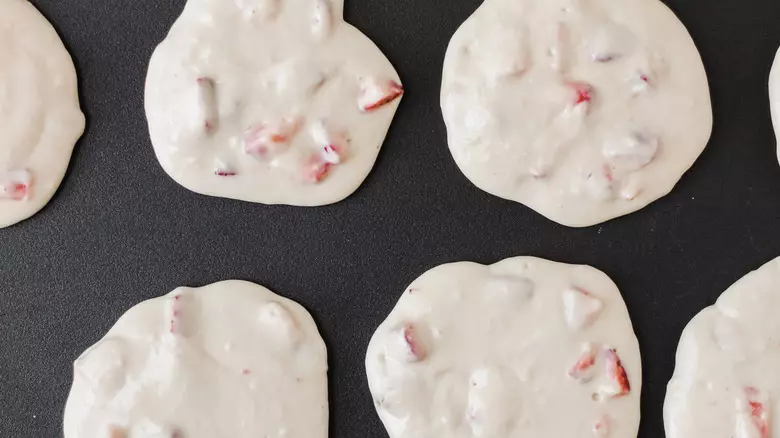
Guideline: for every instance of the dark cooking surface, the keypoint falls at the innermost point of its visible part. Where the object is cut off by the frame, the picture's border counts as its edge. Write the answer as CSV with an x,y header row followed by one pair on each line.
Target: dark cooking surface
x,y
120,231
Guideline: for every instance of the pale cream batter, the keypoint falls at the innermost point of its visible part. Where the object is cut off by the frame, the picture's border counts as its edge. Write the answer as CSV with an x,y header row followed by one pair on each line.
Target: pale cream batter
x,y
523,348
269,101
227,360
726,383
40,118
584,110
774,97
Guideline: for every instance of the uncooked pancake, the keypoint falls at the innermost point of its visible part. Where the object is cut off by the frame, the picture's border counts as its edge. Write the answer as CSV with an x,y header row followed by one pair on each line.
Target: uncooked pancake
x,y
523,348
774,97
227,360
40,118
583,110
269,101
726,383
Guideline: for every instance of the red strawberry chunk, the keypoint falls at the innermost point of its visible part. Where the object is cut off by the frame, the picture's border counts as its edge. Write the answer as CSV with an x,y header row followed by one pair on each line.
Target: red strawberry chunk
x,y
601,428
617,374
415,347
374,94
583,93
315,169
15,185
581,370
758,411
267,139
332,144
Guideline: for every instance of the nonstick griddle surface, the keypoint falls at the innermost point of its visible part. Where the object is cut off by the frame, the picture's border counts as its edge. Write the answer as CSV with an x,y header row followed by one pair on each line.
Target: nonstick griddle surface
x,y
120,231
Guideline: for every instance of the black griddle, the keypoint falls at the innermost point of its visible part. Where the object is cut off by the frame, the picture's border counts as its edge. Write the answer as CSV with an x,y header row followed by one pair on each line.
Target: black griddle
x,y
120,231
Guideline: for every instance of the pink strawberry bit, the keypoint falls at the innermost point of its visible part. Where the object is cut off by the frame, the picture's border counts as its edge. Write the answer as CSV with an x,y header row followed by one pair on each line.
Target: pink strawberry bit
x,y
758,411
617,374
375,94
583,93
640,82
582,369
246,371
415,349
15,185
601,428
267,139
315,169
605,57
332,145
208,103
225,172
116,432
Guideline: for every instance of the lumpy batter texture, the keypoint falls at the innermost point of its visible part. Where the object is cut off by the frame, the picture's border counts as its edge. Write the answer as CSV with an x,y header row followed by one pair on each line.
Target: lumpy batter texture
x,y
524,348
269,101
40,118
726,383
227,360
584,110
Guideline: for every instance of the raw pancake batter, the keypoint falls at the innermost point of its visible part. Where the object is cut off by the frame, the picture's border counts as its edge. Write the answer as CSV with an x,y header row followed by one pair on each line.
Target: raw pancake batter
x,y
584,110
726,383
774,96
525,348
269,101
227,360
40,119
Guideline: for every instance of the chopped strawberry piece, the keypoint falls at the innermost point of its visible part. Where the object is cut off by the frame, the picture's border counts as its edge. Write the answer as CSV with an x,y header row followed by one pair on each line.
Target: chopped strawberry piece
x,y
116,432
605,57
15,185
582,370
416,350
374,95
640,82
758,411
601,428
583,93
333,145
315,170
269,139
617,374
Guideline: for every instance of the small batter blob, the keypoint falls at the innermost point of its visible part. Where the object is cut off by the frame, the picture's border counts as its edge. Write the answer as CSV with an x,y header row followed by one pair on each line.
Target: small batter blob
x,y
40,118
726,383
227,360
774,96
583,110
524,348
269,101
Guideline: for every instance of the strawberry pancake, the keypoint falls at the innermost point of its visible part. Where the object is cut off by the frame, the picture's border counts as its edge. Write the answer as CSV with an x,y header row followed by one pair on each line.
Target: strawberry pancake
x,y
726,383
227,360
269,101
522,348
40,118
583,110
